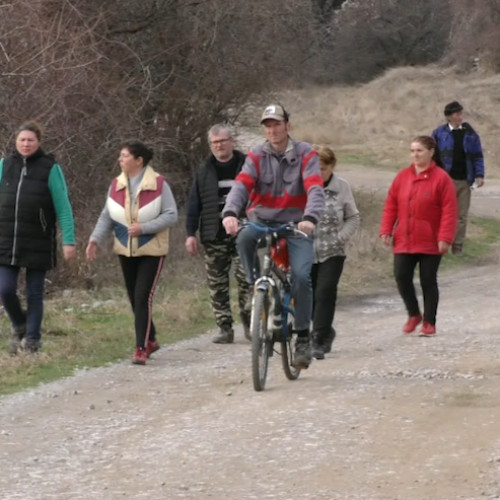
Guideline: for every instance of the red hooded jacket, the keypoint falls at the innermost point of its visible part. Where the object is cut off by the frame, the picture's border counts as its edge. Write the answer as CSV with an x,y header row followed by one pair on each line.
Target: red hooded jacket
x,y
420,210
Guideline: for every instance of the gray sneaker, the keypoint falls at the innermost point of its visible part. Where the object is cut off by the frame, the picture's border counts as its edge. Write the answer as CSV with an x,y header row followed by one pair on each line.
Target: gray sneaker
x,y
302,357
226,335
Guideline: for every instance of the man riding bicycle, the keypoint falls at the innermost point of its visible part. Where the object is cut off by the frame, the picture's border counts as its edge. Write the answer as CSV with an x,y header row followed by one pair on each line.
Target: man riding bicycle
x,y
281,182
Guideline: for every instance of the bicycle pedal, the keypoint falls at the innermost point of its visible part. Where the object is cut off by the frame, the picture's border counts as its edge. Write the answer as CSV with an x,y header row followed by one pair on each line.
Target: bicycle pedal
x,y
300,367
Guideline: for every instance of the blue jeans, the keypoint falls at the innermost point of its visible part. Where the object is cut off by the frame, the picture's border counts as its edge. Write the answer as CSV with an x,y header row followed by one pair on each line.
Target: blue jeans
x,y
300,252
35,284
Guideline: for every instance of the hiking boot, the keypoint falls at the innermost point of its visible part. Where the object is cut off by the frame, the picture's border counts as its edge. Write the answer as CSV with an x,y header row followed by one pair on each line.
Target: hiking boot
x,y
302,357
140,356
427,330
30,346
18,333
226,335
245,321
412,323
151,347
327,343
457,249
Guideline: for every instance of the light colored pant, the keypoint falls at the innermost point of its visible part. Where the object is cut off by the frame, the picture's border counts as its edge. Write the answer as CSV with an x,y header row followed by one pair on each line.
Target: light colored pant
x,y
463,199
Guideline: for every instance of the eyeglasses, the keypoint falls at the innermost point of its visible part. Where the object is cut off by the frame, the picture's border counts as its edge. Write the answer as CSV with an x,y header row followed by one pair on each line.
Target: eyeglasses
x,y
220,142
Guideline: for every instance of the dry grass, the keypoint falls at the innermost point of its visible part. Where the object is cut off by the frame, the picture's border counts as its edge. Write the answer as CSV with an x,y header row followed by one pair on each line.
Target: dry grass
x,y
380,118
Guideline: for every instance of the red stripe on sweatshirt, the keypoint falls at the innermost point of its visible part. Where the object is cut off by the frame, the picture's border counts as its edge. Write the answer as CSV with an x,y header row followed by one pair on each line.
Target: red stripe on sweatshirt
x,y
313,180
246,180
286,201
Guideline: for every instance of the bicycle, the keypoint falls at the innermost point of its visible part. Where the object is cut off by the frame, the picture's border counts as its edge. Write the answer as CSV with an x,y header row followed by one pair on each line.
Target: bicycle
x,y
272,294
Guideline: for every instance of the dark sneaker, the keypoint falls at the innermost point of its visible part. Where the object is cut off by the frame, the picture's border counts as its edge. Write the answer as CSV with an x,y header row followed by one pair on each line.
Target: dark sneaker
x,y
302,357
226,335
245,321
318,351
327,343
30,346
18,333
14,347
457,250
140,356
318,346
152,347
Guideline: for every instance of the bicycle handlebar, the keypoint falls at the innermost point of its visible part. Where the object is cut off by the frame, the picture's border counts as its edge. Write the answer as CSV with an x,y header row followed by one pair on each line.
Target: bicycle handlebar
x,y
289,226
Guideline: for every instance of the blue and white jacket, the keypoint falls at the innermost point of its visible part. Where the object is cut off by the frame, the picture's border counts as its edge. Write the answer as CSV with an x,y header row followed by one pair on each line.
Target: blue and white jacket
x,y
472,148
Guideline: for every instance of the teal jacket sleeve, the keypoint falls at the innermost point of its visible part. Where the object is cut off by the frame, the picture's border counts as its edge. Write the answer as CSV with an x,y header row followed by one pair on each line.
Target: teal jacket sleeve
x,y
60,198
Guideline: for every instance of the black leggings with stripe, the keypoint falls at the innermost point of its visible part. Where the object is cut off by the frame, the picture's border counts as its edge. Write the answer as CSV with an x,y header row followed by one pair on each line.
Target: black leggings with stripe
x,y
141,277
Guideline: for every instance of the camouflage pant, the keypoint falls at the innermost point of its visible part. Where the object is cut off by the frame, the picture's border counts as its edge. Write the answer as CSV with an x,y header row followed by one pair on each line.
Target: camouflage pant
x,y
218,257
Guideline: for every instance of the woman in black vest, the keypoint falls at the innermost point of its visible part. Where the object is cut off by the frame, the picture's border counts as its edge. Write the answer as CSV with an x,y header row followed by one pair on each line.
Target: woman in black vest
x,y
33,195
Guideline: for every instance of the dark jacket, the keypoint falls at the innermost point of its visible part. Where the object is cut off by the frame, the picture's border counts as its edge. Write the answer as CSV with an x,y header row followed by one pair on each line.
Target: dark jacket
x,y
472,148
27,214
203,211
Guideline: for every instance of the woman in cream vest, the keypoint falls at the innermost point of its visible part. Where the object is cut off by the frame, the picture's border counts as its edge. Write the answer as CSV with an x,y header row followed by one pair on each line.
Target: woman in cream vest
x,y
139,209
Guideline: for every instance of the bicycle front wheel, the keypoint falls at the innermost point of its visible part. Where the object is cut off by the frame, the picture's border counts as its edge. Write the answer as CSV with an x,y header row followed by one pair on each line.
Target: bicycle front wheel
x,y
261,343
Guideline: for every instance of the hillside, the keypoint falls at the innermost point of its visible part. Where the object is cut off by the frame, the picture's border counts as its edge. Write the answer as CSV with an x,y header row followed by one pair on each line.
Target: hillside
x,y
381,117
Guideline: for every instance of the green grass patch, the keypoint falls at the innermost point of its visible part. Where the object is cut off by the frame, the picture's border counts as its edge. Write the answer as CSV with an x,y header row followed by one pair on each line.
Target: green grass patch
x,y
356,158
88,330
481,244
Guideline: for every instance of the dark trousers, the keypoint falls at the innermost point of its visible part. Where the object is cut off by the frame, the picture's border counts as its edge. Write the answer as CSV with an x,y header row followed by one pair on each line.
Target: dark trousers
x,y
35,284
404,269
325,279
141,277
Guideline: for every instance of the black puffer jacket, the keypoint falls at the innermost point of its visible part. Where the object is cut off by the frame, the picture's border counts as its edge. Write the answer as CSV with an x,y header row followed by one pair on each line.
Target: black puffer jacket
x,y
203,204
27,214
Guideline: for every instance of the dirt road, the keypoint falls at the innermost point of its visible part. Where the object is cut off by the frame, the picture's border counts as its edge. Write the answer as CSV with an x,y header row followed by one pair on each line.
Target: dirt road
x,y
384,417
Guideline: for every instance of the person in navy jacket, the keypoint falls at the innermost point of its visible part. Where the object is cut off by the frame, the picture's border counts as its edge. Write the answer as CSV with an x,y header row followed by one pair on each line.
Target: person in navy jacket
x,y
461,155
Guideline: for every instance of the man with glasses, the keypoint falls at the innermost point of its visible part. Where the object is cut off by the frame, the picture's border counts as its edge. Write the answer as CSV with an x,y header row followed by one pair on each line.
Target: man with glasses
x,y
211,184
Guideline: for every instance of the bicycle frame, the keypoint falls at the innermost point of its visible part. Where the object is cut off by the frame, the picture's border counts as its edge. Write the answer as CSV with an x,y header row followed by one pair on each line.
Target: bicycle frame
x,y
273,275
272,300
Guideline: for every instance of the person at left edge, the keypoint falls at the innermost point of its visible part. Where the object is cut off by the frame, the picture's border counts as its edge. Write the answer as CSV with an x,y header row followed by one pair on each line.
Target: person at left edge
x,y
211,184
33,196
139,209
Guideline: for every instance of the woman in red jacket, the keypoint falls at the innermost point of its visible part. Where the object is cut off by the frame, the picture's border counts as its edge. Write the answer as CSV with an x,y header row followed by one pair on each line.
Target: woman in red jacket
x,y
419,218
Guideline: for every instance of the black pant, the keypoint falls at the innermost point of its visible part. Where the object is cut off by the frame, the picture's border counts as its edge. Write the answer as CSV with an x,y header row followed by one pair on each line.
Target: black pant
x,y
325,278
141,276
404,269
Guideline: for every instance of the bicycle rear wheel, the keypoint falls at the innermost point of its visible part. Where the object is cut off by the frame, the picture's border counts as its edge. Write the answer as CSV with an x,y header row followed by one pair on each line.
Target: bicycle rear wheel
x,y
261,343
287,345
